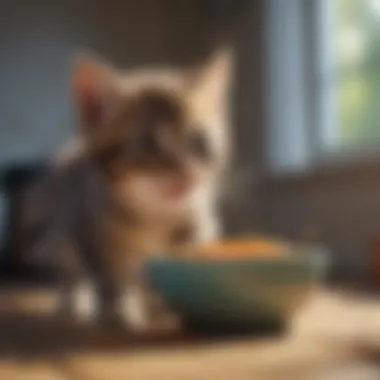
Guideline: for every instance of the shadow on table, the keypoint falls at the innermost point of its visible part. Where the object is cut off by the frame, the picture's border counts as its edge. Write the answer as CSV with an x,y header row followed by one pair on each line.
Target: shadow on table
x,y
29,335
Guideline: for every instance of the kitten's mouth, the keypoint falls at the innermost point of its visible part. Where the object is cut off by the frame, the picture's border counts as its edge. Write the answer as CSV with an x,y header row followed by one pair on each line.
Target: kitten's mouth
x,y
178,189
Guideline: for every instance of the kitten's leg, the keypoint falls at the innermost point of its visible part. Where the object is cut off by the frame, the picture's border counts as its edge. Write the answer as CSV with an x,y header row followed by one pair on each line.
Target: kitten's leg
x,y
134,306
90,300
79,300
127,301
106,291
144,310
78,292
144,307
106,282
110,301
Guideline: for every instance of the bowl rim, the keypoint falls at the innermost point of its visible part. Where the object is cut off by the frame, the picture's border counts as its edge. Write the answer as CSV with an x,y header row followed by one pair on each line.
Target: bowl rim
x,y
315,256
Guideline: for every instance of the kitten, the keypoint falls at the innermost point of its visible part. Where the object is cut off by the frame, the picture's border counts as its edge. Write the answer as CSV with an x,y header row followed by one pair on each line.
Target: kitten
x,y
141,177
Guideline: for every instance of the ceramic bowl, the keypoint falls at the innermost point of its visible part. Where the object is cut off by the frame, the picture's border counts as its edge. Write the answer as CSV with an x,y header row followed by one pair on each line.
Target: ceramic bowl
x,y
239,294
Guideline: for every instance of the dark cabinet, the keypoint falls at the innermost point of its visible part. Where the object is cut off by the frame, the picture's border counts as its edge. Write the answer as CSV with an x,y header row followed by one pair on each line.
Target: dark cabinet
x,y
14,181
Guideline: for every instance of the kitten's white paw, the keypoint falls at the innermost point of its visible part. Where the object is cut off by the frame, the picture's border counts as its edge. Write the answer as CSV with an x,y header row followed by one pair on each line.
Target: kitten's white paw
x,y
85,303
146,313
134,307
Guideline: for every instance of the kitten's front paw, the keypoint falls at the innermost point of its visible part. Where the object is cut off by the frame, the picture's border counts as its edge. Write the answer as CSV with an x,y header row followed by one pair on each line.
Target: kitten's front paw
x,y
133,306
146,314
89,310
85,302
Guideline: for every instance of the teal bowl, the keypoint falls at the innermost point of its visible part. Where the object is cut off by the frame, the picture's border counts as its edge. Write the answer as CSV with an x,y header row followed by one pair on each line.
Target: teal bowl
x,y
240,294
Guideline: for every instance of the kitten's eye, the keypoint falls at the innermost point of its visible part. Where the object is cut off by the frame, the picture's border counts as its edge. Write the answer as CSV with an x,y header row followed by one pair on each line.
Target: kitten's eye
x,y
144,145
148,144
109,154
199,146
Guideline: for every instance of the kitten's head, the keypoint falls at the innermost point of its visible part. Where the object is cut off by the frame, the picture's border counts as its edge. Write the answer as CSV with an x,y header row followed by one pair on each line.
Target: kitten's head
x,y
158,137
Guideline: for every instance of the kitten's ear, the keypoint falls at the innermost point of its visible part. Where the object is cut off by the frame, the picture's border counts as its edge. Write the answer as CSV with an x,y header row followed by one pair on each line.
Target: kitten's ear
x,y
210,82
96,92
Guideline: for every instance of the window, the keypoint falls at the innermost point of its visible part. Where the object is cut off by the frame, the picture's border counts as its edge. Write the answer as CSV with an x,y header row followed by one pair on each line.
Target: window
x,y
352,48
323,74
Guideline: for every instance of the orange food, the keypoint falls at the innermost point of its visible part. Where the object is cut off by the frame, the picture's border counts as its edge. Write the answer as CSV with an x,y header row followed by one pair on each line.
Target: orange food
x,y
234,249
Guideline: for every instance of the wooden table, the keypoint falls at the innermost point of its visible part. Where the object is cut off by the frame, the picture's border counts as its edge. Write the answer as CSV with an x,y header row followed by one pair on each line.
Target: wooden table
x,y
334,337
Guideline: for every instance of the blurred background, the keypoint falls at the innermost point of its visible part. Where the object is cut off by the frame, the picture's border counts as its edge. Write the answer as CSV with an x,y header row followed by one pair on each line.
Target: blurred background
x,y
305,105
305,116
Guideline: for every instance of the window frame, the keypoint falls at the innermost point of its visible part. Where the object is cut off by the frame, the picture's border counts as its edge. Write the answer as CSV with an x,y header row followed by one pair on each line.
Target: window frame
x,y
316,78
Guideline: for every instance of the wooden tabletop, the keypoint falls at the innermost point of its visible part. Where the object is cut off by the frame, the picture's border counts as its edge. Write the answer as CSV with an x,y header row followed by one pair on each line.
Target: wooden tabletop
x,y
335,336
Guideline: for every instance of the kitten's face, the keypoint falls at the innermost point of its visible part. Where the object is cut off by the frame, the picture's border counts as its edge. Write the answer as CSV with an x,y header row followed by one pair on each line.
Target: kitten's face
x,y
157,138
